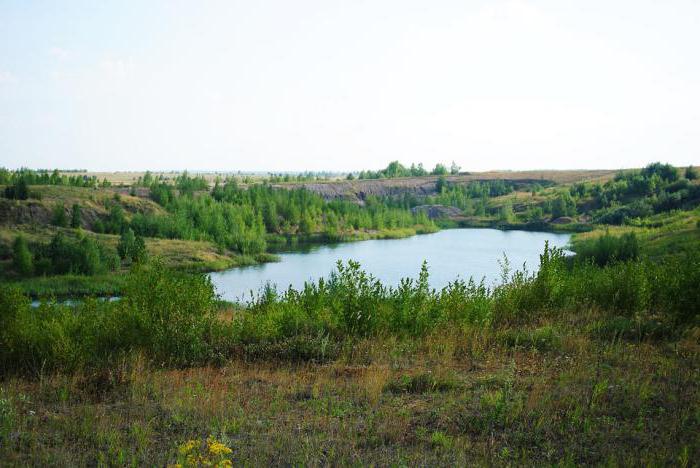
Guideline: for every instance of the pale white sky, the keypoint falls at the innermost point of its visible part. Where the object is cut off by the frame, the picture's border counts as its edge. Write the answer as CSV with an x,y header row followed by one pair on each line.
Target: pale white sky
x,y
336,85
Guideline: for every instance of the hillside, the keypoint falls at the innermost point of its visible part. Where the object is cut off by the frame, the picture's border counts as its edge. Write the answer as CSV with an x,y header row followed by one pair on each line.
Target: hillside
x,y
339,188
427,185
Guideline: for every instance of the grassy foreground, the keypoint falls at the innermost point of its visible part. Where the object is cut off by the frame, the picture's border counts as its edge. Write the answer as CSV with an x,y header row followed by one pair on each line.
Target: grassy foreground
x,y
577,364
465,398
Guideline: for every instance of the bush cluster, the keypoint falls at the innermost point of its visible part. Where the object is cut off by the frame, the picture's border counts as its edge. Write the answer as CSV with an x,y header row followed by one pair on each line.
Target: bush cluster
x,y
170,317
165,315
83,255
638,194
608,249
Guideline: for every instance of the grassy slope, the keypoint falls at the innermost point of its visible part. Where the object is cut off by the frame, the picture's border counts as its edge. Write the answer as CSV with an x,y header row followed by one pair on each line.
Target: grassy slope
x,y
659,235
454,398
662,234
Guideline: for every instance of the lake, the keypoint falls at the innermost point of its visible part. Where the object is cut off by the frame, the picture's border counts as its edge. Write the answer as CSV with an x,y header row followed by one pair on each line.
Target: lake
x,y
451,254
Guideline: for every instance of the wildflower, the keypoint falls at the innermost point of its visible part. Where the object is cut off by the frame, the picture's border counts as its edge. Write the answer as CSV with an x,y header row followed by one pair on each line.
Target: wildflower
x,y
217,448
187,447
194,453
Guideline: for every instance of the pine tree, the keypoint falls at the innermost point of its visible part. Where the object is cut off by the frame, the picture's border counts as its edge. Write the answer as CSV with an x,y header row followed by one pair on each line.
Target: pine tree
x,y
21,189
22,257
139,253
76,216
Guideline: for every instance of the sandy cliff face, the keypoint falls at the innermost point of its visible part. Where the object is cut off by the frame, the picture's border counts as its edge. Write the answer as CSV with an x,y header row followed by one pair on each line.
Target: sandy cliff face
x,y
437,211
41,213
359,190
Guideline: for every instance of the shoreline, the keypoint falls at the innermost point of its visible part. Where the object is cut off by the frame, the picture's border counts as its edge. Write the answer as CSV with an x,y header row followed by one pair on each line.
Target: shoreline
x,y
64,287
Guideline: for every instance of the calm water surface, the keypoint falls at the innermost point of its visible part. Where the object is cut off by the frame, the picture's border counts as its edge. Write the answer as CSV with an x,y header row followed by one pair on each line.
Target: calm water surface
x,y
451,254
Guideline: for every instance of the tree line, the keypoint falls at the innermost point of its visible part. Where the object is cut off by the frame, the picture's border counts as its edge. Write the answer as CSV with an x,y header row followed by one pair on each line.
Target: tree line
x,y
241,218
396,169
82,255
18,182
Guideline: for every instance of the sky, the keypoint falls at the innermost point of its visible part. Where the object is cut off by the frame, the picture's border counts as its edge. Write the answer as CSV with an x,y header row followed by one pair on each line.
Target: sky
x,y
347,85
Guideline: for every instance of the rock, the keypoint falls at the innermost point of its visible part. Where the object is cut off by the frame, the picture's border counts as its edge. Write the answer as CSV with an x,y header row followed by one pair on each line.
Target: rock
x,y
437,211
562,220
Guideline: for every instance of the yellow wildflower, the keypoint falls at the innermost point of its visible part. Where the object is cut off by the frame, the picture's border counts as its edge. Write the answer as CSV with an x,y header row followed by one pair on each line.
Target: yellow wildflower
x,y
217,448
194,453
187,447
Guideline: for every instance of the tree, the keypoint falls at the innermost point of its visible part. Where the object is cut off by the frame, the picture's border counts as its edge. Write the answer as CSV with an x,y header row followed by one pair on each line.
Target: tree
x,y
116,221
534,214
441,184
306,224
665,171
4,176
18,191
454,168
22,257
139,253
506,213
90,261
132,247
59,215
395,169
76,216
691,173
418,170
147,179
270,216
440,169
21,189
563,205
126,244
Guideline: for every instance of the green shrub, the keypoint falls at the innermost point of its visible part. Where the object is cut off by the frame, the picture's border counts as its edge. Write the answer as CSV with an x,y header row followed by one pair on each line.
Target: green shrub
x,y
66,256
170,317
165,315
174,311
522,295
674,289
607,249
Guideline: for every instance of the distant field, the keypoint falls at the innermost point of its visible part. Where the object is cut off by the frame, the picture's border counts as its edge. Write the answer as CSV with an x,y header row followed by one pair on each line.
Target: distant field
x,y
561,177
128,177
